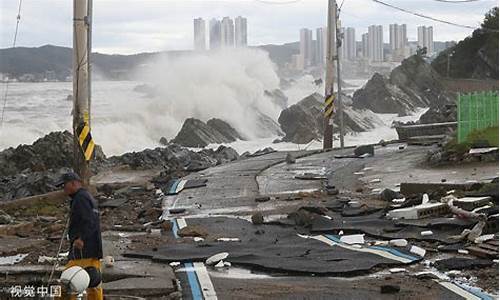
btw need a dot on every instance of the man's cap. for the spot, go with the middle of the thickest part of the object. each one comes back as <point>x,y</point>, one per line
<point>67,177</point>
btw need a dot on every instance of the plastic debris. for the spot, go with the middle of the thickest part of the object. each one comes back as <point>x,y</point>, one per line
<point>398,242</point>
<point>220,264</point>
<point>425,198</point>
<point>227,264</point>
<point>426,233</point>
<point>397,270</point>
<point>353,239</point>
<point>418,251</point>
<point>484,238</point>
<point>463,251</point>
<point>174,264</point>
<point>198,239</point>
<point>228,240</point>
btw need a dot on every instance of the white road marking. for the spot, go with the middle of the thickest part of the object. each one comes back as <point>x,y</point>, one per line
<point>206,285</point>
<point>207,288</point>
<point>458,290</point>
<point>361,249</point>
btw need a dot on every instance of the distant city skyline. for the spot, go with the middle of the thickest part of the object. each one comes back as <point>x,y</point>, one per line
<point>371,48</point>
<point>148,26</point>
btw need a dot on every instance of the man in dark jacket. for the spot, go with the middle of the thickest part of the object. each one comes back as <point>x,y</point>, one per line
<point>84,230</point>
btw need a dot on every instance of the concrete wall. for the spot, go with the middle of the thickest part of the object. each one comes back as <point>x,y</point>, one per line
<point>407,131</point>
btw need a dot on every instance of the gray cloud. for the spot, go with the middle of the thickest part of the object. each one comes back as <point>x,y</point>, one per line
<point>130,26</point>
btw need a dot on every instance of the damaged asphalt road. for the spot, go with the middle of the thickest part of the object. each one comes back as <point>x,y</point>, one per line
<point>301,223</point>
<point>303,227</point>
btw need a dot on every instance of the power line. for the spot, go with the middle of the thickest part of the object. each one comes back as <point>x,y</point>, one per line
<point>457,1</point>
<point>278,2</point>
<point>428,17</point>
<point>8,80</point>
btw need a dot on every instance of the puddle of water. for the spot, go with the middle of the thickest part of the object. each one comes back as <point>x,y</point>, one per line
<point>11,260</point>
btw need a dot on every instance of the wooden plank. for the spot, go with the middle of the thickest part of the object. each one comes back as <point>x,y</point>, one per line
<point>479,252</point>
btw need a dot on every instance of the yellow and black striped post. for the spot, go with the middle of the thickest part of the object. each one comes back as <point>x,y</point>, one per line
<point>328,128</point>
<point>85,140</point>
<point>329,106</point>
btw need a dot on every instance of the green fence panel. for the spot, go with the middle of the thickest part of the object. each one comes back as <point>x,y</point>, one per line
<point>476,111</point>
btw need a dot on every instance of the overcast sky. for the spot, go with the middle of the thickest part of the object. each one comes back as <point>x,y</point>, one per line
<point>132,26</point>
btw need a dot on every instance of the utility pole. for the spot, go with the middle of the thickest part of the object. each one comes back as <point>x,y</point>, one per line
<point>83,144</point>
<point>329,76</point>
<point>339,38</point>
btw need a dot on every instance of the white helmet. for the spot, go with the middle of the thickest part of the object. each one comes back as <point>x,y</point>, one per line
<point>77,278</point>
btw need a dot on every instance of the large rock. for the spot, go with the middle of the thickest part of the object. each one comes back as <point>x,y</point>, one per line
<point>412,84</point>
<point>53,151</point>
<point>381,96</point>
<point>303,122</point>
<point>225,129</point>
<point>29,184</point>
<point>195,133</point>
<point>174,158</point>
<point>358,120</point>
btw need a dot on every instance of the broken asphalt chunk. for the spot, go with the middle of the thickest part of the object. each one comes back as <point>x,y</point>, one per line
<point>460,263</point>
<point>214,259</point>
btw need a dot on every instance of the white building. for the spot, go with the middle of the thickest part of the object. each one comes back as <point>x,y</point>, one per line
<point>306,47</point>
<point>215,34</point>
<point>227,32</point>
<point>397,36</point>
<point>321,45</point>
<point>199,34</point>
<point>426,38</point>
<point>364,45</point>
<point>348,48</point>
<point>240,31</point>
<point>376,43</point>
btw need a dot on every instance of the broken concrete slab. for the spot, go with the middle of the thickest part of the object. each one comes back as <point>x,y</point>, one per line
<point>140,286</point>
<point>412,188</point>
<point>420,211</point>
<point>375,226</point>
<point>280,249</point>
<point>365,149</point>
<point>195,183</point>
<point>460,263</point>
<point>470,203</point>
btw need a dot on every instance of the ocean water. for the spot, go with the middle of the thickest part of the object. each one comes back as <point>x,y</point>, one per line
<point>125,120</point>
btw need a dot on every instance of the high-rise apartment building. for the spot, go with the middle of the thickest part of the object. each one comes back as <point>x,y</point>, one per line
<point>376,43</point>
<point>306,47</point>
<point>348,48</point>
<point>199,34</point>
<point>215,37</point>
<point>320,55</point>
<point>240,31</point>
<point>426,38</point>
<point>227,32</point>
<point>397,36</point>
